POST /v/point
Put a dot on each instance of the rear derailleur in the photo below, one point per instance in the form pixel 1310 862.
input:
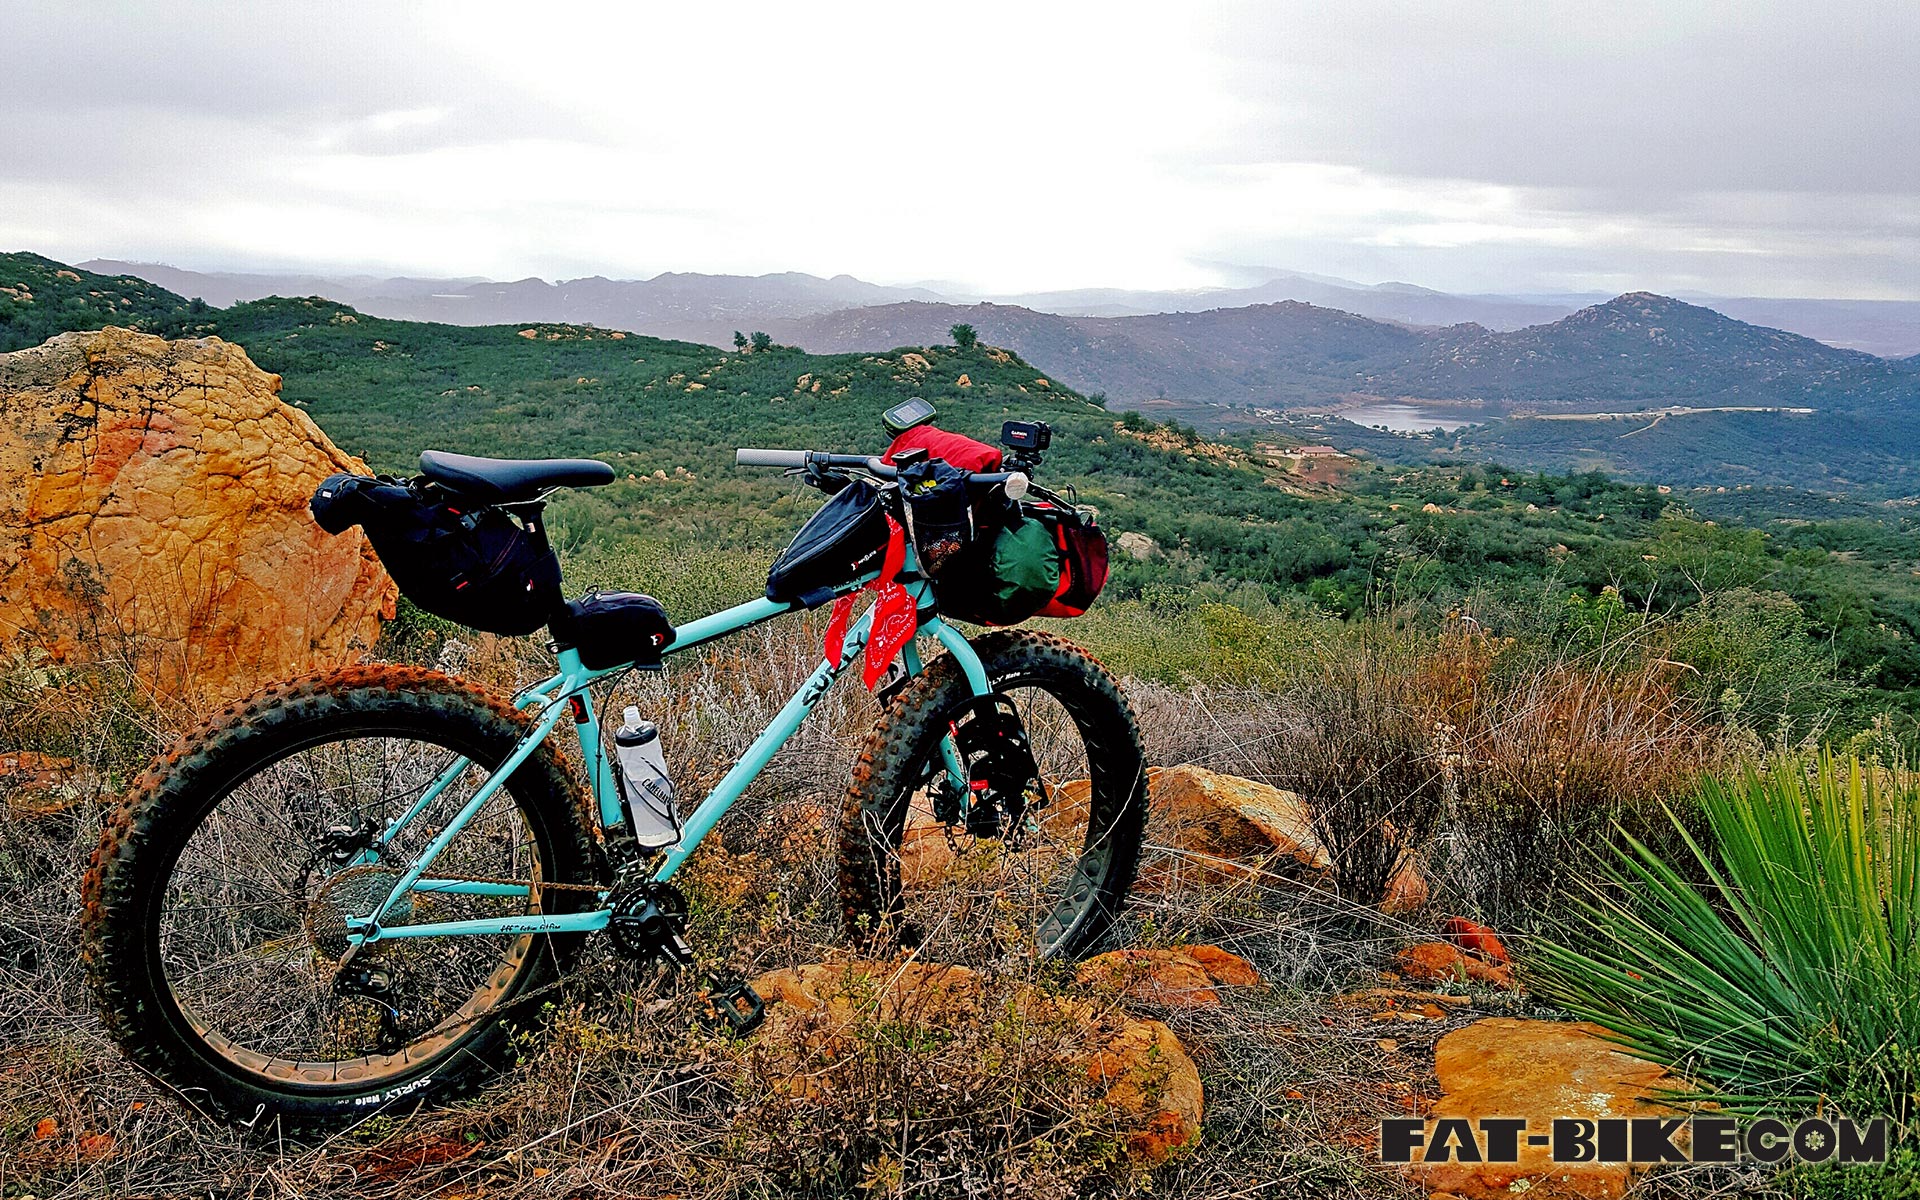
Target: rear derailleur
pixel 648 925
pixel 371 981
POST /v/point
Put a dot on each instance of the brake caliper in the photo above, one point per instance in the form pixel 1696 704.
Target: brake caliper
pixel 1001 772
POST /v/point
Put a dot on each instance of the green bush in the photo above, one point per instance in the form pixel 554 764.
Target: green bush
pixel 1790 978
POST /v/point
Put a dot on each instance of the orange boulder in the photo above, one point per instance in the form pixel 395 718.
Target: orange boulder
pixel 1538 1070
pixel 1188 977
pixel 1476 938
pixel 153 507
pixel 1439 962
pixel 1230 828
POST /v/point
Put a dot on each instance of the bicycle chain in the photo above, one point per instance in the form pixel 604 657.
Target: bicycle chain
pixel 543 885
pixel 579 972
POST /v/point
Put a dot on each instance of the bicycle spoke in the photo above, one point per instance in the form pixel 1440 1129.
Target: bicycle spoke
pixel 245 903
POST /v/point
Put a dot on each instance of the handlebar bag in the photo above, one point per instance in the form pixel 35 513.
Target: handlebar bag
pixel 1045 561
pixel 940 514
pixel 842 541
pixel 613 628
pixel 477 566
pixel 1009 579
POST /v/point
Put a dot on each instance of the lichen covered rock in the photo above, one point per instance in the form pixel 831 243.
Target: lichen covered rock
pixel 153 508
pixel 1150 1084
pixel 1539 1070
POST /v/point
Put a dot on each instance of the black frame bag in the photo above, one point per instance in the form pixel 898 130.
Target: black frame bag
pixel 844 540
pixel 473 564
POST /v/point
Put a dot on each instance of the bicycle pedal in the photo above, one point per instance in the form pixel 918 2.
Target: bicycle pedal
pixel 739 1007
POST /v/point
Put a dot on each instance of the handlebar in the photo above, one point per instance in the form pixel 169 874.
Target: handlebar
pixel 769 458
pixel 1016 482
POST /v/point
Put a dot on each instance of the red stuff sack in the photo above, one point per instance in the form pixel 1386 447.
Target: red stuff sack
pixel 954 449
pixel 1083 564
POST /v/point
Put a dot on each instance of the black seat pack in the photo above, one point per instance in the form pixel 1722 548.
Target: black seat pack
pixel 844 540
pixel 469 563
pixel 610 629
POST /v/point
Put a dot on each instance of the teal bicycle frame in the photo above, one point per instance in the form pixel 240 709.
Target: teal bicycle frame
pixel 565 695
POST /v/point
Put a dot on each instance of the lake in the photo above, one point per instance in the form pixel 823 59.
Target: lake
pixel 1404 418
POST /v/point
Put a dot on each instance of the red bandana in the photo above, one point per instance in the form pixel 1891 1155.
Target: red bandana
pixel 894 616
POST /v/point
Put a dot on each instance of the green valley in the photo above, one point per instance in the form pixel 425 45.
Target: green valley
pixel 1228 523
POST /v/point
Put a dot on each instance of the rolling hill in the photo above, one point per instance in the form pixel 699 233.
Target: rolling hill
pixel 40 297
pixel 1636 348
pixel 1269 353
pixel 1224 517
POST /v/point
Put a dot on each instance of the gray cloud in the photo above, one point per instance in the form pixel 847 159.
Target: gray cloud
pixel 1759 147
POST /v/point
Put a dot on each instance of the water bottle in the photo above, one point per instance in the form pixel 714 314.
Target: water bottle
pixel 645 782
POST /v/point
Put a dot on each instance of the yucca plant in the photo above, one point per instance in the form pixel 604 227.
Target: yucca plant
pixel 1789 976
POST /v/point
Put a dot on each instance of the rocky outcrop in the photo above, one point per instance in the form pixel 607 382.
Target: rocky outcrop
pixel 1189 977
pixel 1149 1082
pixel 1539 1070
pixel 153 508
pixel 1231 827
pixel 1137 546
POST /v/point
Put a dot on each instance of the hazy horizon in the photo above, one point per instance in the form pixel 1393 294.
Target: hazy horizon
pixel 998 149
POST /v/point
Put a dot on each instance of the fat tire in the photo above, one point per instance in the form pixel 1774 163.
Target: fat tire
pixel 142 840
pixel 873 813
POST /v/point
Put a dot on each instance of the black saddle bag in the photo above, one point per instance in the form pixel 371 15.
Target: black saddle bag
pixel 476 565
pixel 844 540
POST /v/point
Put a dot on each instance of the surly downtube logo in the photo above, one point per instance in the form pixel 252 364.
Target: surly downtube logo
pixel 1638 1140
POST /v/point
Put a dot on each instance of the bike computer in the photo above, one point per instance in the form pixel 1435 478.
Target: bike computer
pixel 905 415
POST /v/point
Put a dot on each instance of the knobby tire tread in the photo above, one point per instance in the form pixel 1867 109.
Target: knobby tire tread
pixel 119 887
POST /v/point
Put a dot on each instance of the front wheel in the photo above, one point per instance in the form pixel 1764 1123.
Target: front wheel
pixel 1052 879
pixel 217 904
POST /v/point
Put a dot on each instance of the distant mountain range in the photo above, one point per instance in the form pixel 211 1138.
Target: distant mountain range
pixel 1636 350
pixel 691 307
pixel 1641 385
pixel 708 308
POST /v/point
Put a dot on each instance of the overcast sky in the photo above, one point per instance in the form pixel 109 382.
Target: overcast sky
pixel 1732 148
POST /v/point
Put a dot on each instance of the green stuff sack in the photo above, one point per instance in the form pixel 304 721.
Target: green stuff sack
pixel 1019 574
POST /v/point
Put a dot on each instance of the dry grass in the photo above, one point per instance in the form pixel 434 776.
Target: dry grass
pixel 1511 761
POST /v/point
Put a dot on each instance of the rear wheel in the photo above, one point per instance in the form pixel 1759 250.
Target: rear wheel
pixel 217 902
pixel 1050 884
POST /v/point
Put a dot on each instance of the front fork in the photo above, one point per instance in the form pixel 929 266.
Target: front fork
pixel 950 758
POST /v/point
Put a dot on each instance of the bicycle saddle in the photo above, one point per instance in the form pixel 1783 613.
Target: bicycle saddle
pixel 509 480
